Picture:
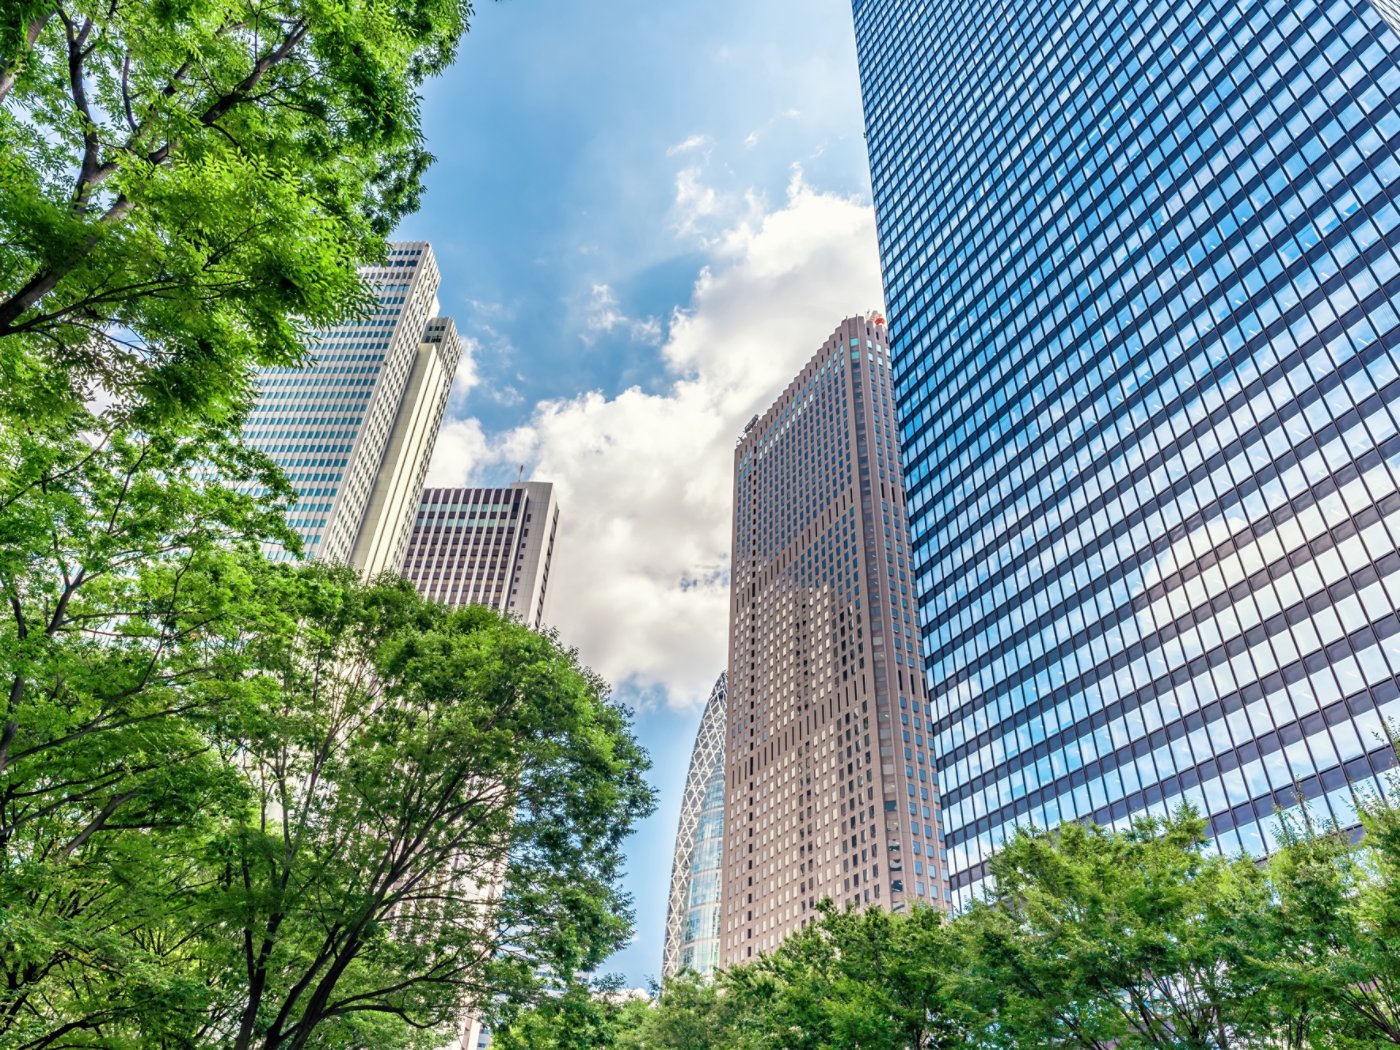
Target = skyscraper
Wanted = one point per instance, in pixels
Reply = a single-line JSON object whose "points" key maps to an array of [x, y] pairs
{"points": [[829, 789], [486, 547], [1390, 11], [693, 910], [354, 431], [1142, 259]]}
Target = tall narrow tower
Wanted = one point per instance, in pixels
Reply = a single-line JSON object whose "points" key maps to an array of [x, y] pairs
{"points": [[829, 789], [1142, 261], [693, 911], [355, 430]]}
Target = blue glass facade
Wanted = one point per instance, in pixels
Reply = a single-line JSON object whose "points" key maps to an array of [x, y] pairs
{"points": [[355, 427], [1142, 259], [1390, 11], [697, 869]]}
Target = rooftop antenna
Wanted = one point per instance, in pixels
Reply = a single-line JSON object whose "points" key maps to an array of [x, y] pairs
{"points": [[521, 476]]}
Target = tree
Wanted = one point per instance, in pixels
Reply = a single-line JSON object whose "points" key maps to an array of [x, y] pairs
{"points": [[689, 1013], [579, 1015], [439, 800], [264, 805], [187, 188], [1110, 942], [859, 979], [1328, 948], [127, 573]]}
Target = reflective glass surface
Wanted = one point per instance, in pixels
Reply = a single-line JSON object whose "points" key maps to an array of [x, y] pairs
{"points": [[693, 911], [1141, 260], [327, 423]]}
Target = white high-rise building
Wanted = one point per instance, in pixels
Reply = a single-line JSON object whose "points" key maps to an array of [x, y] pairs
{"points": [[354, 430], [486, 546], [492, 547]]}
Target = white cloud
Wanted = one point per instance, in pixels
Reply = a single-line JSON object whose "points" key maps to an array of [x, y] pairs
{"points": [[487, 308], [466, 377], [605, 315], [689, 145], [603, 312], [506, 395], [704, 215], [644, 479], [460, 441], [753, 138], [647, 331], [695, 202]]}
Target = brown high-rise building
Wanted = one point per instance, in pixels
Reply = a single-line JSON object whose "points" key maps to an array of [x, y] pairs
{"points": [[830, 790]]}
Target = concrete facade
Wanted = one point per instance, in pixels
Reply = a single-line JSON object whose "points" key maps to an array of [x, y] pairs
{"points": [[829, 787], [486, 546], [354, 430]]}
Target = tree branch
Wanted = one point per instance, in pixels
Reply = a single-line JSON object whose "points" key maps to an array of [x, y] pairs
{"points": [[93, 174], [78, 50], [9, 73], [95, 825]]}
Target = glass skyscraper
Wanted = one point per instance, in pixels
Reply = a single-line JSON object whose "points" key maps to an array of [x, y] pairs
{"points": [[1390, 10], [354, 430], [1142, 261], [692, 912]]}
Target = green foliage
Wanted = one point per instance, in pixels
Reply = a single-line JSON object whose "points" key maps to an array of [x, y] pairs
{"points": [[255, 805], [439, 799], [857, 979], [127, 574], [1328, 949], [580, 1015], [1091, 940], [244, 804], [690, 1013], [1098, 940], [188, 186]]}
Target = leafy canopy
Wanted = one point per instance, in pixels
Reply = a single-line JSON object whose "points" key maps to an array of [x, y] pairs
{"points": [[1091, 940], [188, 186], [339, 815]]}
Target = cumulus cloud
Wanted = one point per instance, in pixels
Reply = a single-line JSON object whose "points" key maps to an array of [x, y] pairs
{"points": [[645, 479], [459, 442], [466, 378]]}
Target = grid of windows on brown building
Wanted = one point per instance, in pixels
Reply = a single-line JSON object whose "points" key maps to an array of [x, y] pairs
{"points": [[486, 546], [830, 788]]}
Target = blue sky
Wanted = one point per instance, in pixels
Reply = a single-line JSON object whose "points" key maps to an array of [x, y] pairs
{"points": [[648, 216]]}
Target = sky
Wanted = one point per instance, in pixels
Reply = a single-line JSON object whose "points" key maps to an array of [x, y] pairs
{"points": [[648, 216]]}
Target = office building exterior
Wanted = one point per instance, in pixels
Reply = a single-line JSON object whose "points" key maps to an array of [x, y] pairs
{"points": [[1390, 11], [492, 547], [693, 909], [486, 546], [354, 431], [829, 788], [1142, 260]]}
